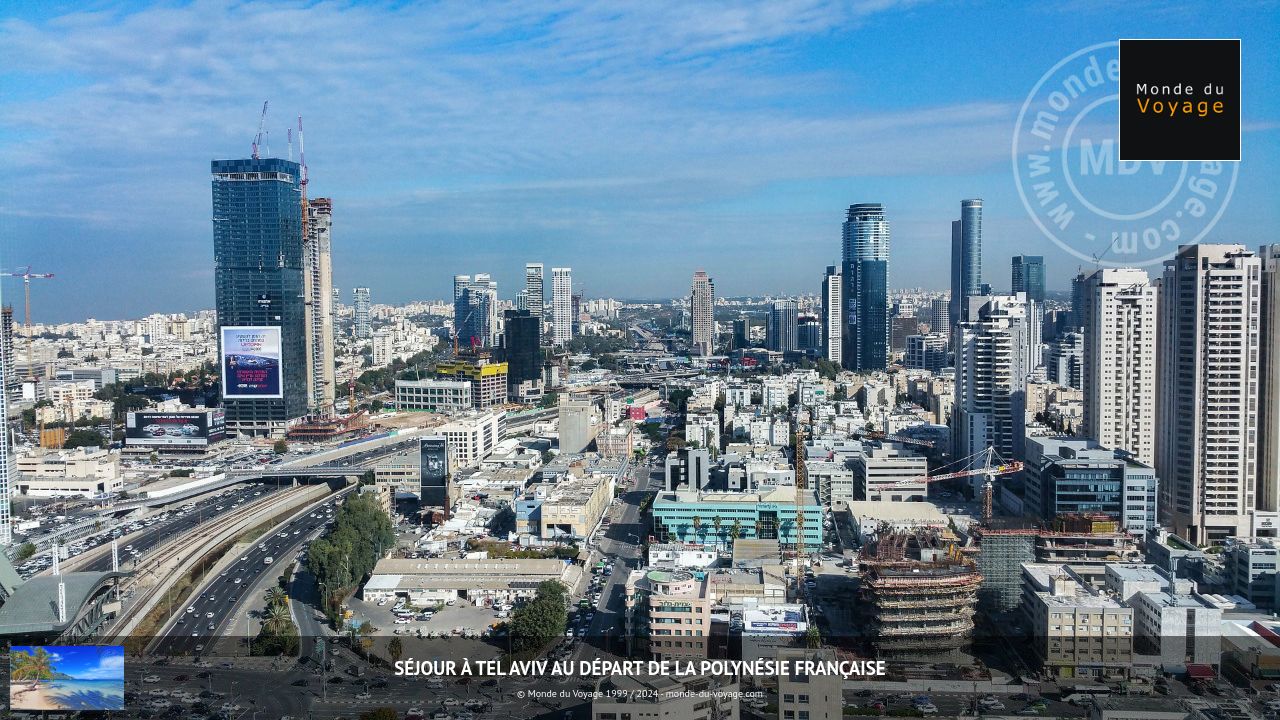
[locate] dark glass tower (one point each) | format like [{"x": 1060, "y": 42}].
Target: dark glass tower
[
  {"x": 521, "y": 333},
  {"x": 1028, "y": 277},
  {"x": 966, "y": 259},
  {"x": 257, "y": 253},
  {"x": 865, "y": 269}
]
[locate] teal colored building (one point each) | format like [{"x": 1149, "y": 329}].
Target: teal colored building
[{"x": 716, "y": 518}]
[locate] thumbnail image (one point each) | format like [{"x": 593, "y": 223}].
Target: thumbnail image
[{"x": 66, "y": 677}]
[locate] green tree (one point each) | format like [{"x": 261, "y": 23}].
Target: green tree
[
  {"x": 735, "y": 530},
  {"x": 813, "y": 638},
  {"x": 717, "y": 522},
  {"x": 277, "y": 618},
  {"x": 275, "y": 596},
  {"x": 697, "y": 526},
  {"x": 384, "y": 713},
  {"x": 360, "y": 534},
  {"x": 395, "y": 649},
  {"x": 549, "y": 400},
  {"x": 542, "y": 619},
  {"x": 281, "y": 447},
  {"x": 375, "y": 405},
  {"x": 83, "y": 437},
  {"x": 25, "y": 551}
]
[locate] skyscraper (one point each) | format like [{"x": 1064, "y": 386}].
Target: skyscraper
[
  {"x": 521, "y": 335},
  {"x": 865, "y": 267},
  {"x": 9, "y": 371},
  {"x": 702, "y": 307},
  {"x": 7, "y": 468},
  {"x": 1269, "y": 390},
  {"x": 475, "y": 310},
  {"x": 258, "y": 283},
  {"x": 966, "y": 259},
  {"x": 940, "y": 315},
  {"x": 742, "y": 332},
  {"x": 360, "y": 298},
  {"x": 534, "y": 289},
  {"x": 782, "y": 331},
  {"x": 1028, "y": 277},
  {"x": 317, "y": 284},
  {"x": 1118, "y": 374},
  {"x": 1207, "y": 391},
  {"x": 562, "y": 305},
  {"x": 995, "y": 352},
  {"x": 832, "y": 325}
]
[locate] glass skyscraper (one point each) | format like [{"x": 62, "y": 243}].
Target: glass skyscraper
[
  {"x": 258, "y": 277},
  {"x": 865, "y": 269},
  {"x": 1028, "y": 277},
  {"x": 966, "y": 259}
]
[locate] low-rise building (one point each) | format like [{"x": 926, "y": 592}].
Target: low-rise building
[
  {"x": 625, "y": 697},
  {"x": 1180, "y": 628},
  {"x": 682, "y": 556},
  {"x": 890, "y": 471},
  {"x": 715, "y": 517},
  {"x": 82, "y": 472},
  {"x": 802, "y": 696},
  {"x": 1077, "y": 631},
  {"x": 430, "y": 582},
  {"x": 443, "y": 396},
  {"x": 573, "y": 507},
  {"x": 472, "y": 437}
]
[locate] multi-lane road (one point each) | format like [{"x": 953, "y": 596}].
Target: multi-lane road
[{"x": 216, "y": 610}]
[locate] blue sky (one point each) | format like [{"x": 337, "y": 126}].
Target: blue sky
[
  {"x": 635, "y": 142},
  {"x": 86, "y": 662}
]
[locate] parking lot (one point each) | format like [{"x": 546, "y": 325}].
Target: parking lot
[{"x": 462, "y": 619}]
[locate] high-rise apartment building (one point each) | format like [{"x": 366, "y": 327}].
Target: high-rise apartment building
[
  {"x": 475, "y": 310},
  {"x": 940, "y": 315},
  {"x": 534, "y": 289},
  {"x": 832, "y": 320},
  {"x": 702, "y": 308},
  {"x": 1064, "y": 360},
  {"x": 1119, "y": 368},
  {"x": 9, "y": 370},
  {"x": 1028, "y": 277},
  {"x": 782, "y": 333},
  {"x": 1269, "y": 388},
  {"x": 360, "y": 298},
  {"x": 562, "y": 305},
  {"x": 317, "y": 287},
  {"x": 865, "y": 268},
  {"x": 966, "y": 259},
  {"x": 7, "y": 466},
  {"x": 258, "y": 283},
  {"x": 995, "y": 353},
  {"x": 1207, "y": 391}
]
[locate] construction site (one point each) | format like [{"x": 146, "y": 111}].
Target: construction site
[{"x": 918, "y": 596}]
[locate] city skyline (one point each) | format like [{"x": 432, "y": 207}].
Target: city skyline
[{"x": 94, "y": 153}]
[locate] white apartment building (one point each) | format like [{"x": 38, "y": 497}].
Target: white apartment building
[
  {"x": 703, "y": 427},
  {"x": 1180, "y": 628},
  {"x": 702, "y": 310},
  {"x": 1269, "y": 391},
  {"x": 384, "y": 348},
  {"x": 809, "y": 697},
  {"x": 534, "y": 289},
  {"x": 995, "y": 354},
  {"x": 472, "y": 437},
  {"x": 832, "y": 317},
  {"x": 1207, "y": 401},
  {"x": 443, "y": 396},
  {"x": 317, "y": 287},
  {"x": 562, "y": 305},
  {"x": 774, "y": 393},
  {"x": 890, "y": 471},
  {"x": 1119, "y": 373}
]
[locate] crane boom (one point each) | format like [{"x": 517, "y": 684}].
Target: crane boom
[
  {"x": 262, "y": 124},
  {"x": 1005, "y": 469},
  {"x": 27, "y": 276}
]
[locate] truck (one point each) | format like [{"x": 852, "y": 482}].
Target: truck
[{"x": 267, "y": 560}]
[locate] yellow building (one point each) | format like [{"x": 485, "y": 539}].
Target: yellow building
[{"x": 488, "y": 379}]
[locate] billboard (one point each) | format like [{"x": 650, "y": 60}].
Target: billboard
[
  {"x": 251, "y": 363},
  {"x": 177, "y": 429},
  {"x": 434, "y": 458}
]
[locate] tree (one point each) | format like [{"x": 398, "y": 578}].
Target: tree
[
  {"x": 275, "y": 596},
  {"x": 395, "y": 649},
  {"x": 369, "y": 477},
  {"x": 697, "y": 526},
  {"x": 381, "y": 713},
  {"x": 83, "y": 438},
  {"x": 366, "y": 631},
  {"x": 375, "y": 405},
  {"x": 25, "y": 551},
  {"x": 549, "y": 400},
  {"x": 542, "y": 619},
  {"x": 735, "y": 530},
  {"x": 281, "y": 447},
  {"x": 813, "y": 638},
  {"x": 717, "y": 522},
  {"x": 277, "y": 618},
  {"x": 34, "y": 666}
]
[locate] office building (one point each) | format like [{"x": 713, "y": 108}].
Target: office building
[
  {"x": 832, "y": 325},
  {"x": 575, "y": 423},
  {"x": 475, "y": 310},
  {"x": 995, "y": 353},
  {"x": 702, "y": 309},
  {"x": 940, "y": 316},
  {"x": 769, "y": 513},
  {"x": 1269, "y": 389},
  {"x": 488, "y": 379},
  {"x": 966, "y": 259},
  {"x": 1028, "y": 277},
  {"x": 809, "y": 334},
  {"x": 889, "y": 471},
  {"x": 1064, "y": 361},
  {"x": 742, "y": 333},
  {"x": 865, "y": 268},
  {"x": 926, "y": 352},
  {"x": 442, "y": 396},
  {"x": 534, "y": 291},
  {"x": 1074, "y": 476},
  {"x": 471, "y": 438},
  {"x": 1118, "y": 315},
  {"x": 782, "y": 333},
  {"x": 360, "y": 299},
  {"x": 1207, "y": 391},
  {"x": 258, "y": 283},
  {"x": 82, "y": 472},
  {"x": 521, "y": 335},
  {"x": 317, "y": 286},
  {"x": 670, "y": 608},
  {"x": 562, "y": 305}
]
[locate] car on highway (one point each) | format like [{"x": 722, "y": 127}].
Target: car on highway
[{"x": 151, "y": 679}]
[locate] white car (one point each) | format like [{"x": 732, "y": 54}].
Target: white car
[
  {"x": 238, "y": 581},
  {"x": 151, "y": 679}
]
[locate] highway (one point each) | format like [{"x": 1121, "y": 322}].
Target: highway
[{"x": 209, "y": 615}]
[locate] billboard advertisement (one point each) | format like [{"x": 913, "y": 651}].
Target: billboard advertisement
[
  {"x": 251, "y": 363},
  {"x": 434, "y": 457},
  {"x": 177, "y": 429}
]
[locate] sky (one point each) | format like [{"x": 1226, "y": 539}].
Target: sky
[
  {"x": 86, "y": 662},
  {"x": 635, "y": 141}
]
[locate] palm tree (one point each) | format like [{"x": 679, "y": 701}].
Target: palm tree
[
  {"x": 277, "y": 618},
  {"x": 33, "y": 666},
  {"x": 716, "y": 522},
  {"x": 275, "y": 596},
  {"x": 735, "y": 530},
  {"x": 697, "y": 526}
]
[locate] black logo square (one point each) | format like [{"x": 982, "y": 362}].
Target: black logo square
[{"x": 1180, "y": 100}]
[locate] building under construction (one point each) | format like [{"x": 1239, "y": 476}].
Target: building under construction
[{"x": 919, "y": 595}]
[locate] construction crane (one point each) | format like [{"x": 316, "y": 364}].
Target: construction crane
[
  {"x": 877, "y": 435},
  {"x": 262, "y": 124},
  {"x": 802, "y": 487},
  {"x": 991, "y": 468},
  {"x": 27, "y": 276}
]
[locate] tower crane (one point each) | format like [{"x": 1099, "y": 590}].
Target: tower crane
[
  {"x": 992, "y": 467},
  {"x": 27, "y": 276},
  {"x": 802, "y": 488},
  {"x": 262, "y": 124}
]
